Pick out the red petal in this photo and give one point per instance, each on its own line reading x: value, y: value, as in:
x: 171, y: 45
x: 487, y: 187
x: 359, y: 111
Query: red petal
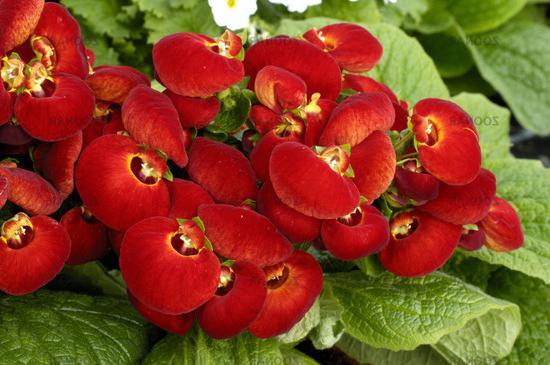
x: 115, y: 240
x: 373, y: 162
x: 419, y: 244
x: 472, y: 240
x: 6, y: 106
x: 465, y: 204
x: 241, y: 234
x: 227, y: 315
x: 502, y: 227
x: 451, y: 152
x: 187, y: 66
x: 187, y: 197
x: 152, y: 119
x: 56, y: 162
x: 113, y: 83
x: 307, y: 184
x: 92, y: 131
x: 194, y: 112
x: 292, y: 288
x: 260, y: 155
x: 89, y: 239
x: 316, y: 122
x: 357, y: 117
x: 104, y: 171
x: 175, y: 323
x: 160, y: 276
x: 264, y: 119
x: 222, y: 171
x: 30, y: 191
x: 115, y: 124
x: 357, y: 235
x: 352, y: 46
x: 17, y: 21
x: 279, y: 89
x: 53, y: 118
x: 418, y: 186
x: 4, y: 191
x: 365, y: 84
x: 14, y: 135
x: 320, y: 73
x: 28, y: 268
x: 293, y: 224
x: 63, y: 31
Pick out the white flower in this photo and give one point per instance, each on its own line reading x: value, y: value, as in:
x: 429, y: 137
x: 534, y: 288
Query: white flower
x: 233, y: 14
x: 296, y: 5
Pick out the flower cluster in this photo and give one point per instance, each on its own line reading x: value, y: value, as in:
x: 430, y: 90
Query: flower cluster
x: 208, y: 231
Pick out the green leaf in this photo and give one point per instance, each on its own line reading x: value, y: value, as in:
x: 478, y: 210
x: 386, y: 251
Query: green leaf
x: 480, y: 16
x: 370, y: 265
x: 365, y: 354
x: 436, y: 19
x: 234, y: 110
x: 160, y: 8
x: 294, y: 357
x: 196, y: 348
x: 492, y: 123
x: 103, y: 15
x: 67, y: 328
x: 470, y: 82
x: 90, y: 278
x: 330, y: 329
x: 402, y: 313
x: 360, y: 11
x: 451, y: 56
x: 197, y: 19
x: 405, y: 67
x: 517, y: 64
x: 301, y: 329
x: 524, y: 183
x: 532, y: 295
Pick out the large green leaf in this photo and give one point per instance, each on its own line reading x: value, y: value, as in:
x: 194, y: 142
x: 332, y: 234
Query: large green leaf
x: 301, y: 329
x: 330, y: 328
x: 479, y: 16
x: 516, y: 62
x: 294, y: 357
x: 67, y: 328
x: 405, y: 66
x: 402, y: 313
x: 365, y: 354
x: 533, y: 296
x: 360, y: 11
x: 196, y: 348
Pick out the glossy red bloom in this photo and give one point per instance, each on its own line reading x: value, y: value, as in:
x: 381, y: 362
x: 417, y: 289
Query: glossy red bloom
x: 464, y: 204
x: 472, y: 240
x: 419, y: 244
x: 121, y: 183
x: 175, y: 323
x: 194, y: 112
x: 187, y: 197
x: 32, y: 252
x: 30, y: 191
x: 59, y: 32
x: 365, y: 84
x: 4, y: 191
x: 373, y: 162
x: 89, y: 239
x: 502, y: 227
x: 195, y: 65
x: 279, y: 89
x: 352, y: 46
x: 318, y: 70
x: 357, y: 117
x: 296, y: 226
x: 166, y: 265
x: 264, y: 119
x: 151, y: 119
x: 222, y: 171
x: 260, y: 155
x: 56, y: 161
x: 359, y: 234
x: 114, y: 83
x: 312, y: 185
x: 241, y: 234
x: 448, y: 145
x: 316, y: 121
x: 238, y: 301
x: 60, y: 114
x: 17, y: 21
x: 416, y: 184
x: 292, y: 288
